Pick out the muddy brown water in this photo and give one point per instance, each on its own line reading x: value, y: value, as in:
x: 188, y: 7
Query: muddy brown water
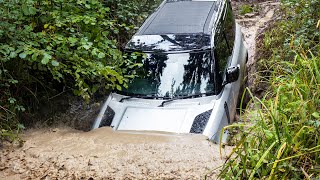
x: 103, y: 153
x: 66, y: 153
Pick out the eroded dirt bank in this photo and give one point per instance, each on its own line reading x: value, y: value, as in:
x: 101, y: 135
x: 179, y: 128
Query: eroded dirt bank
x: 253, y: 25
x: 65, y: 153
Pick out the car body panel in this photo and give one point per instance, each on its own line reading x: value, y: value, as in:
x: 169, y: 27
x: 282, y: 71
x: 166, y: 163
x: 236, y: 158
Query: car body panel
x: 168, y: 120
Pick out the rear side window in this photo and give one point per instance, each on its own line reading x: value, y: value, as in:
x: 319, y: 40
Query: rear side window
x: 229, y: 27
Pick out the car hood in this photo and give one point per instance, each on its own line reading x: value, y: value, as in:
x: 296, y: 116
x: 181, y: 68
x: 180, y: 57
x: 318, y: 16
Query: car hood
x: 178, y: 116
x: 155, y: 119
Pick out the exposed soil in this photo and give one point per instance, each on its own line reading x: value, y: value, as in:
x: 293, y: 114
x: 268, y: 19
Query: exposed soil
x: 66, y: 153
x: 253, y: 25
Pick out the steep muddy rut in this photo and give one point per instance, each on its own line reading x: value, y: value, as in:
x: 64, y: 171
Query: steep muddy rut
x: 65, y: 153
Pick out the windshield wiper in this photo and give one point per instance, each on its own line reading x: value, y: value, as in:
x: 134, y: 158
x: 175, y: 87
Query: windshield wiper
x: 136, y: 96
x: 184, y: 97
x: 151, y: 96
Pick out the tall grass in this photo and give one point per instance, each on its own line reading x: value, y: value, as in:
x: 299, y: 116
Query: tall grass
x: 281, y: 140
x: 280, y: 137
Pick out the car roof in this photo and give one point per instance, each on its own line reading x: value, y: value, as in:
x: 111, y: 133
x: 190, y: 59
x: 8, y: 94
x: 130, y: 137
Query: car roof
x: 181, y: 17
x: 177, y: 25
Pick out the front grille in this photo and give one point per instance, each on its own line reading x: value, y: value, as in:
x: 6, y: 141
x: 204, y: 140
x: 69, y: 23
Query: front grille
x: 107, y: 117
x: 200, y: 122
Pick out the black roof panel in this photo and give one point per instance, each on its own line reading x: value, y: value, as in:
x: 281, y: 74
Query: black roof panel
x: 180, y: 17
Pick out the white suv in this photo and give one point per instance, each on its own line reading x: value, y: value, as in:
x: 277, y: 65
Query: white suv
x: 193, y: 60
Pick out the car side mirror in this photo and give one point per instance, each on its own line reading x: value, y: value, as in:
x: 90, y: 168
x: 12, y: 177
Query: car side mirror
x: 232, y: 74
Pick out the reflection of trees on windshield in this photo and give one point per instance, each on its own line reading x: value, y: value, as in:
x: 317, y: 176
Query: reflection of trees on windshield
x: 149, y: 75
x: 187, y: 41
x: 171, y: 75
x: 173, y: 40
x: 180, y: 42
x: 154, y: 66
x: 198, y: 72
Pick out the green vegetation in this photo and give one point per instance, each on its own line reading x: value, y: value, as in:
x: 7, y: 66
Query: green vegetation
x: 245, y: 9
x: 52, y: 46
x: 280, y: 139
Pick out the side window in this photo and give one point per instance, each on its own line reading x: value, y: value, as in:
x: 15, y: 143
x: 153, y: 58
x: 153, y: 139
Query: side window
x: 229, y: 26
x: 223, y: 43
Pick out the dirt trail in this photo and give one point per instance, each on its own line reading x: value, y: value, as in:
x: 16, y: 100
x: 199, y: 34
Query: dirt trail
x: 252, y: 24
x: 65, y: 153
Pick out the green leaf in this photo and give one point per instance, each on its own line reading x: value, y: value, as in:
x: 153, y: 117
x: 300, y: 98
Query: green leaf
x: 101, y: 55
x: 269, y: 134
x: 25, y: 9
x: 127, y: 28
x: 120, y: 79
x: 86, y: 47
x: 22, y: 55
x: 55, y: 63
x: 134, y: 57
x: 32, y: 10
x: 13, y: 54
x: 34, y: 56
x: 28, y: 10
x: 119, y: 87
x: 20, y: 108
x: 12, y: 100
x: 72, y: 40
x: 316, y: 115
x: 95, y: 88
x: 94, y: 51
x: 46, y: 58
x: 13, y: 81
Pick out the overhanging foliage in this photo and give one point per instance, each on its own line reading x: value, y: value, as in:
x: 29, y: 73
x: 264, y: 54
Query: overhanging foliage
x: 50, y: 45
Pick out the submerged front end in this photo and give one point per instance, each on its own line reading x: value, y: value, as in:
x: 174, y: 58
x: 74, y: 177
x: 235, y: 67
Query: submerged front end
x: 192, y: 115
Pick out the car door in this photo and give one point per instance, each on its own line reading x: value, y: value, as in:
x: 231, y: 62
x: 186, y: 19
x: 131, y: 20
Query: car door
x: 223, y: 52
x: 233, y: 58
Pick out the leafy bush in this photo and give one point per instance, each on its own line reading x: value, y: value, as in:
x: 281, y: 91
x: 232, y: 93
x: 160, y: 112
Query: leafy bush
x: 52, y: 45
x: 280, y: 138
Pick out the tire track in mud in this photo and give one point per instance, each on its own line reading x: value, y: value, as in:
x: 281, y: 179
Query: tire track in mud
x: 65, y: 153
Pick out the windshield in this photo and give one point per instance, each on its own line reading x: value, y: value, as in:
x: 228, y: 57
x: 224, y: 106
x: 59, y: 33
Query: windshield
x: 172, y: 75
